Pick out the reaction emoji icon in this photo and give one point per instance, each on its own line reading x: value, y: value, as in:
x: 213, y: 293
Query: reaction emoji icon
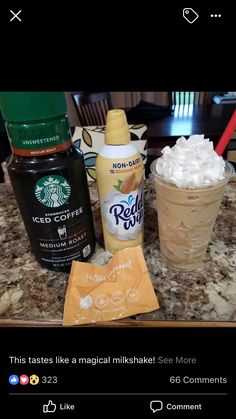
x: 24, y: 379
x: 34, y: 380
x: 13, y: 379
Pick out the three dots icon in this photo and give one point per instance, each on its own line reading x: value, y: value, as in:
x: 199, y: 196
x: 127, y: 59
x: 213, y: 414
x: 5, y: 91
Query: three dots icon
x: 216, y: 15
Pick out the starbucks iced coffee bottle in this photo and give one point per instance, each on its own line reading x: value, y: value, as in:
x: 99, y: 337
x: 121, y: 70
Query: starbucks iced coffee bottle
x: 119, y: 170
x: 48, y: 177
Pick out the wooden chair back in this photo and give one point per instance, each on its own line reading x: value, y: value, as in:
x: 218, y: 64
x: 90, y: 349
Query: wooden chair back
x: 92, y: 107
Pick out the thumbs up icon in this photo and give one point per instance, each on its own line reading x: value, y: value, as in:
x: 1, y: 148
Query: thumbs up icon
x: 50, y: 407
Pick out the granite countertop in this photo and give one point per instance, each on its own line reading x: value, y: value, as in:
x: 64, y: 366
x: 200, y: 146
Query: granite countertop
x: 29, y: 292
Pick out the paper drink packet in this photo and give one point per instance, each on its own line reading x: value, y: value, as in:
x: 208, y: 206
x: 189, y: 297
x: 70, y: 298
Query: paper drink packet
x: 119, y: 289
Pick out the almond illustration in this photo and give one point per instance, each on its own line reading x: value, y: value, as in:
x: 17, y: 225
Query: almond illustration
x: 128, y: 184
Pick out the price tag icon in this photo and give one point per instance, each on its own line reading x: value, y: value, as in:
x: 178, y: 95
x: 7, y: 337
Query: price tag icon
x: 190, y: 15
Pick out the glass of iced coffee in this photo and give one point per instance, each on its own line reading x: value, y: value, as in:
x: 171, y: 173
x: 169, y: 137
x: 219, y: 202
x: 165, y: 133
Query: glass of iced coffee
x: 190, y: 180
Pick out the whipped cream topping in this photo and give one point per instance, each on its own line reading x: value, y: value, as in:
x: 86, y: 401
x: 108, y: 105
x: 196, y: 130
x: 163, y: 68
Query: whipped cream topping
x: 191, y: 163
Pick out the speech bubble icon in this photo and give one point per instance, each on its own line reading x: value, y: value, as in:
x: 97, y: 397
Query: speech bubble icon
x: 156, y: 405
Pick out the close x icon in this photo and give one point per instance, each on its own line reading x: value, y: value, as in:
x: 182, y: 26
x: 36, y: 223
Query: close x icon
x: 15, y: 15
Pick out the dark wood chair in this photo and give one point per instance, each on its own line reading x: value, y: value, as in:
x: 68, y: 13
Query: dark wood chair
x: 92, y: 107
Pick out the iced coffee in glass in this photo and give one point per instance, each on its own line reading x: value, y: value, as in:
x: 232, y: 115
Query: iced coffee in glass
x: 190, y: 180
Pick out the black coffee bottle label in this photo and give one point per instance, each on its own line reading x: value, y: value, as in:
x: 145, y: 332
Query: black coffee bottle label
x: 55, y: 207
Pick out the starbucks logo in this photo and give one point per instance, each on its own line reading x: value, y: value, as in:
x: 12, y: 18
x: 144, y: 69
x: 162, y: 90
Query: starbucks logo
x: 52, y: 191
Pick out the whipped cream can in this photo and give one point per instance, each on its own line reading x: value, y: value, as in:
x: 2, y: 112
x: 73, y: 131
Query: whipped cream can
x: 119, y: 171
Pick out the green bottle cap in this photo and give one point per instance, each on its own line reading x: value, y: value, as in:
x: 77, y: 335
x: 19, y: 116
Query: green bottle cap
x: 31, y: 106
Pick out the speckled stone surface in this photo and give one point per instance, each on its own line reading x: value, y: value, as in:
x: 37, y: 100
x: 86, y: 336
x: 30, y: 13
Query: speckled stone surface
x: 30, y: 292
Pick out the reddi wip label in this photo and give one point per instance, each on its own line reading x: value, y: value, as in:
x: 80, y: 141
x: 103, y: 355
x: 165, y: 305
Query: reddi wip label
x: 121, y: 200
